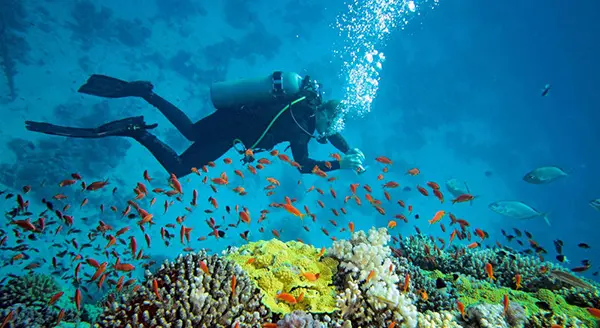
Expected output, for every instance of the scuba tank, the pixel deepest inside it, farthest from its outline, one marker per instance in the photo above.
(278, 86)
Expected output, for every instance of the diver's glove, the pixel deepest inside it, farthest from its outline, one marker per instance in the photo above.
(353, 160)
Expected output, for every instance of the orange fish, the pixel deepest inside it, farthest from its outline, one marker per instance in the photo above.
(413, 171)
(490, 271)
(78, 299)
(423, 191)
(97, 185)
(433, 185)
(406, 282)
(245, 217)
(371, 275)
(233, 284)
(463, 198)
(506, 304)
(310, 276)
(55, 298)
(155, 288)
(461, 308)
(288, 298)
(391, 184)
(472, 245)
(437, 217)
(204, 267)
(391, 224)
(383, 160)
(292, 210)
(594, 312)
(517, 280)
(65, 183)
(336, 156)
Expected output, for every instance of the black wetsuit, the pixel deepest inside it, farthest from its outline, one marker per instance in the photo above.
(213, 135)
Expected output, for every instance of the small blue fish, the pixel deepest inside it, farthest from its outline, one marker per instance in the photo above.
(546, 89)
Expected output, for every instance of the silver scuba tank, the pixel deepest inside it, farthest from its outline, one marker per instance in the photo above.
(278, 86)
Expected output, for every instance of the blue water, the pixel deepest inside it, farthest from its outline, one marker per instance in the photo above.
(459, 95)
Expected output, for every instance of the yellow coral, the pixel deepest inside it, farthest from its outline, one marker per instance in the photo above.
(278, 267)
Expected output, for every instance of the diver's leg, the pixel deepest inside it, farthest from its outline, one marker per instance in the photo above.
(214, 135)
(110, 87)
(125, 127)
(175, 115)
(197, 155)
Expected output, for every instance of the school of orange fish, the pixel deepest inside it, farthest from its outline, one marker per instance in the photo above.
(113, 253)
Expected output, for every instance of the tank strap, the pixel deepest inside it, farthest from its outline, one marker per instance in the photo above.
(237, 141)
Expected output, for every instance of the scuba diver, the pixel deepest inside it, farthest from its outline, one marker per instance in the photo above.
(252, 115)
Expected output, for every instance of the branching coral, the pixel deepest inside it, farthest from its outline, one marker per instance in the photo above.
(370, 295)
(182, 294)
(299, 319)
(29, 295)
(30, 289)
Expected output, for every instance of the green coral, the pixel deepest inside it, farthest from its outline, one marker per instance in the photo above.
(278, 267)
(472, 293)
(30, 289)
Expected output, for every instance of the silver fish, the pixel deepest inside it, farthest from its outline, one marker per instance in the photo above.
(516, 210)
(544, 174)
(595, 204)
(571, 280)
(457, 187)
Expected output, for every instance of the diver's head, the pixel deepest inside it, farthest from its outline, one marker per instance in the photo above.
(326, 115)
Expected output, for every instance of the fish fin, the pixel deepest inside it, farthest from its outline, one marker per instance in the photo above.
(545, 216)
(467, 186)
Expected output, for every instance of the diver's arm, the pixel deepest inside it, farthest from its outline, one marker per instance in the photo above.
(300, 153)
(339, 142)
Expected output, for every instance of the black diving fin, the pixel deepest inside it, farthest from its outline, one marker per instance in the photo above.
(127, 127)
(110, 87)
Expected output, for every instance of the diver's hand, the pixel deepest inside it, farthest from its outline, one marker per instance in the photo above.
(353, 160)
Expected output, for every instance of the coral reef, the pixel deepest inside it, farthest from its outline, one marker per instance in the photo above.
(299, 319)
(181, 293)
(442, 319)
(28, 296)
(465, 277)
(506, 263)
(370, 295)
(278, 267)
(31, 289)
(493, 316)
(355, 283)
